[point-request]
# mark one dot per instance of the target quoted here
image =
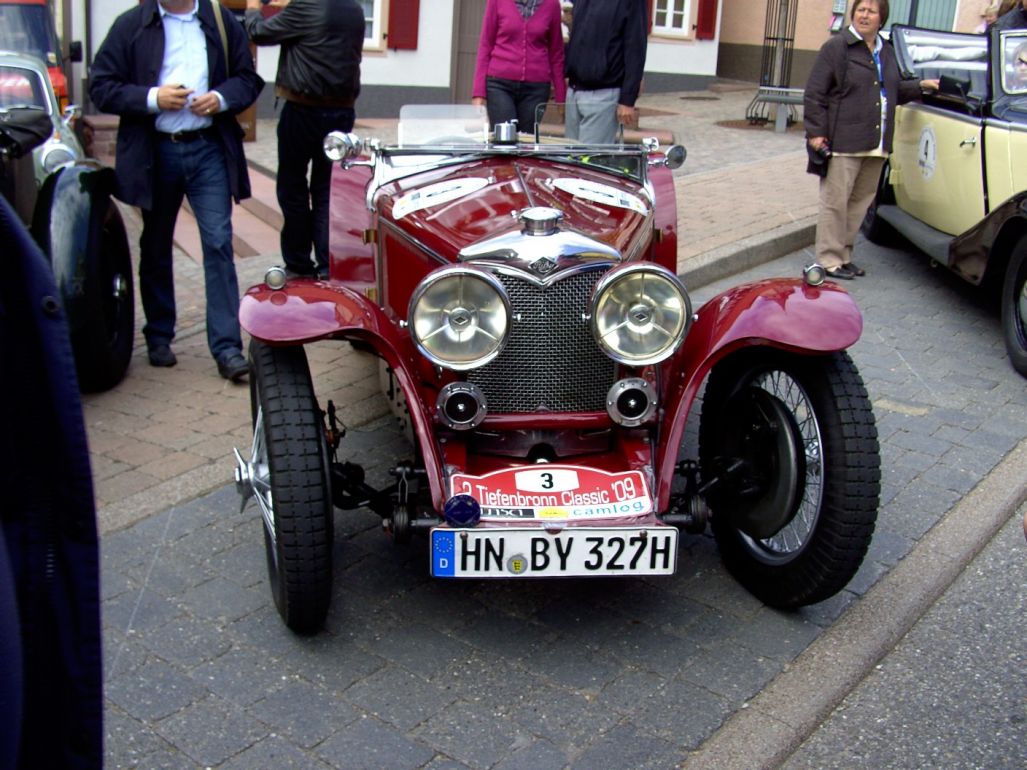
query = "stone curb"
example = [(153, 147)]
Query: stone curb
[(748, 252), (788, 710)]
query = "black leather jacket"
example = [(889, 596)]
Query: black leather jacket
[(322, 42)]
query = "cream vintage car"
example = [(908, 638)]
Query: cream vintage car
[(956, 183)]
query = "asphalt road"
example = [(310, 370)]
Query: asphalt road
[(960, 676), (417, 673)]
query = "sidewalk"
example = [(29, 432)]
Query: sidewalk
[(164, 436)]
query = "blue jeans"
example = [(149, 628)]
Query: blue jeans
[(592, 115), (518, 100), (301, 133), (195, 170)]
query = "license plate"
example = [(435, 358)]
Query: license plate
[(555, 492), (571, 552)]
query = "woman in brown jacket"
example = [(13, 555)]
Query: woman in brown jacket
[(849, 112)]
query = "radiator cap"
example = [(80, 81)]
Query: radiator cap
[(541, 220)]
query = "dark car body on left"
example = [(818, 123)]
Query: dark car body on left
[(66, 202)]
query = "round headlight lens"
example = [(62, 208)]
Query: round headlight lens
[(640, 314), (339, 145), (460, 317), (55, 157)]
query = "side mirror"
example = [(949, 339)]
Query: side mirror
[(75, 51), (673, 158), (676, 155)]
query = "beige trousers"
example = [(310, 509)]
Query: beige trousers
[(845, 194)]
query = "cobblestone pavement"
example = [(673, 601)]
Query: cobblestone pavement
[(416, 673)]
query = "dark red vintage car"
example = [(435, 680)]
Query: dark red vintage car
[(522, 295)]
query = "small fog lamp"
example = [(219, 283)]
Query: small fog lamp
[(462, 511), (814, 274), (275, 278)]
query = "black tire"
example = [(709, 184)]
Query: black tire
[(1014, 307), (102, 336), (795, 518), (292, 485), (874, 228)]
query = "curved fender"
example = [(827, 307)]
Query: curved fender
[(61, 225), (785, 314), (307, 311)]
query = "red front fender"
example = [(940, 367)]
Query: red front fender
[(308, 311), (784, 314)]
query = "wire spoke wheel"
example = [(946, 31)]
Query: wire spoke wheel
[(793, 445)]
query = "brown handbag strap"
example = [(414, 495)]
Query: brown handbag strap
[(221, 32)]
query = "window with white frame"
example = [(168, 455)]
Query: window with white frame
[(372, 23), (671, 18)]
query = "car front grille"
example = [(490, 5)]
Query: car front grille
[(550, 363)]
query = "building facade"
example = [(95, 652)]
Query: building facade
[(423, 51)]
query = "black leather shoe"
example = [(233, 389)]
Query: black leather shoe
[(162, 355), (841, 272), (292, 273), (233, 367), (855, 269)]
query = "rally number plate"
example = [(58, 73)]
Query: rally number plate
[(555, 492), (570, 552)]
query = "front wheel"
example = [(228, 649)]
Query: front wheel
[(1014, 307), (289, 475), (789, 447), (102, 336)]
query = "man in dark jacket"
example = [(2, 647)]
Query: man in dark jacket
[(1015, 18), (177, 84), (319, 78), (604, 64), (51, 691)]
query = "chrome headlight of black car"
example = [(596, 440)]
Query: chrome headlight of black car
[(54, 155), (640, 314), (460, 317)]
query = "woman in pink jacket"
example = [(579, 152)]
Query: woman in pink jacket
[(520, 55)]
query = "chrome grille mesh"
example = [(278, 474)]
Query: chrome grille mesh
[(550, 362)]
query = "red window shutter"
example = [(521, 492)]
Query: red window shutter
[(706, 22), (402, 32)]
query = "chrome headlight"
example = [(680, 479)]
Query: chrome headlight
[(55, 156), (460, 317), (342, 146), (640, 314)]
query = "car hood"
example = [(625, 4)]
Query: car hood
[(465, 207)]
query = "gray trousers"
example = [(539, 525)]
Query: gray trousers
[(845, 194), (592, 115)]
